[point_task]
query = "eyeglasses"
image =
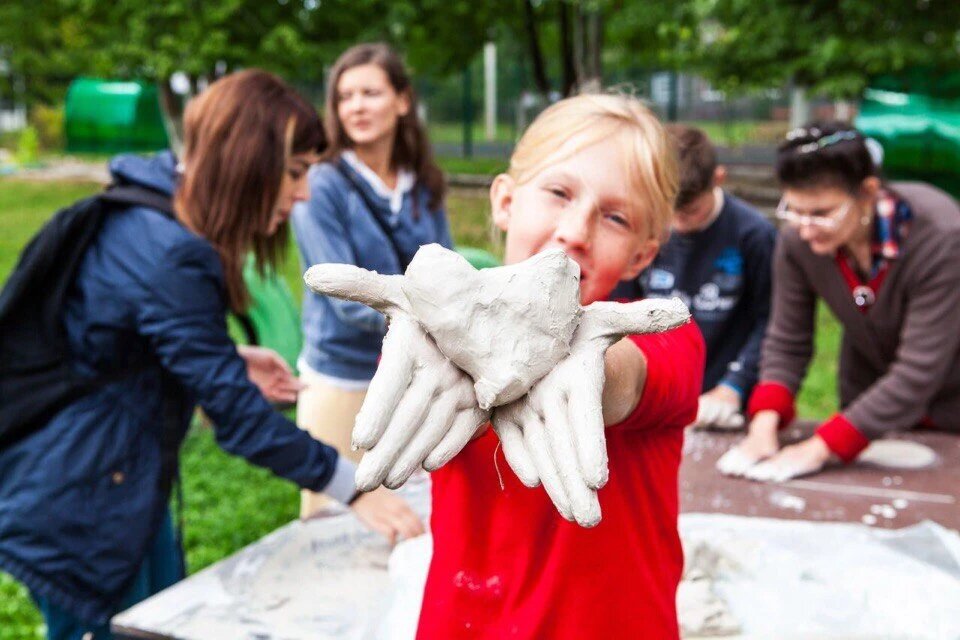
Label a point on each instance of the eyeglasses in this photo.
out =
(825, 221)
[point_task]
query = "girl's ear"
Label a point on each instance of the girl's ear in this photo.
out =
(403, 103)
(501, 200)
(643, 256)
(870, 186)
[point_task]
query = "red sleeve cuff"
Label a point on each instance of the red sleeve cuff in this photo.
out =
(842, 437)
(772, 396)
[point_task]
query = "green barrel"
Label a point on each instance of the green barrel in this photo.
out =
(916, 118)
(111, 116)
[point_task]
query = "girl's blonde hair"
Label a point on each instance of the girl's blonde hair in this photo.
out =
(588, 119)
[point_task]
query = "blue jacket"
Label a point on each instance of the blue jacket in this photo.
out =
(343, 339)
(80, 499)
(723, 274)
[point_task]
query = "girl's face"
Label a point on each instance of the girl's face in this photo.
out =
(828, 218)
(293, 188)
(582, 205)
(368, 106)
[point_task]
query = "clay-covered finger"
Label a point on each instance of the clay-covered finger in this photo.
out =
(534, 433)
(349, 282)
(428, 435)
(464, 427)
(652, 315)
(378, 461)
(559, 431)
(735, 462)
(515, 449)
(389, 383)
(589, 437)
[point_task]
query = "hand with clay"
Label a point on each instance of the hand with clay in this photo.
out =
(555, 435)
(719, 408)
(420, 408)
(761, 443)
(801, 459)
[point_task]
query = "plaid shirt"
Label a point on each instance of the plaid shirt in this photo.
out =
(891, 223)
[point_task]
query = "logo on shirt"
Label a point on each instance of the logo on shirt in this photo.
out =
(661, 279)
(730, 262)
(710, 300)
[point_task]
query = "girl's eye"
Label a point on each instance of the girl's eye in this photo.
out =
(558, 192)
(295, 174)
(618, 218)
(371, 92)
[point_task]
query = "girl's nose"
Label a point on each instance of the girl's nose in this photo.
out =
(575, 229)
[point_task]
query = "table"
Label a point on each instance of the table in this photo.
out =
(845, 493)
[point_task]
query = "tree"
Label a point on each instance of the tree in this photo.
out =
(831, 46)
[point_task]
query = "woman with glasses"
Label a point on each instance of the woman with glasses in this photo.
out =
(885, 258)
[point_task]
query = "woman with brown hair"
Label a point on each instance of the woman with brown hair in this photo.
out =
(376, 200)
(84, 521)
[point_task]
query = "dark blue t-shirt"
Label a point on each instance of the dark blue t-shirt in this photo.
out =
(723, 274)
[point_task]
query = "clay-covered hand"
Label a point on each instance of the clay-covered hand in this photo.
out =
(507, 326)
(801, 459)
(555, 435)
(719, 408)
(761, 443)
(420, 409)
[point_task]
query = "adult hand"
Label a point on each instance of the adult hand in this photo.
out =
(801, 459)
(420, 409)
(761, 443)
(720, 408)
(271, 373)
(388, 514)
(554, 435)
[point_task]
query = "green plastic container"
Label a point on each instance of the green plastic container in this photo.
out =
(273, 319)
(916, 118)
(479, 258)
(111, 116)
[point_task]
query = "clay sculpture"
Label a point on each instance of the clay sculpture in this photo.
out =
(461, 341)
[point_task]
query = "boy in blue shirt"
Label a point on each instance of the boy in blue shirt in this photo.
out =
(717, 261)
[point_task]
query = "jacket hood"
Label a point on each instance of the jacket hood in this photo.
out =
(157, 172)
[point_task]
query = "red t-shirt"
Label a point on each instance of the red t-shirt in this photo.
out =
(507, 565)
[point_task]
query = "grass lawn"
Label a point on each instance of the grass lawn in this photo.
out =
(453, 132)
(230, 503)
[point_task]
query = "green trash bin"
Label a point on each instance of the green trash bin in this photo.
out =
(111, 116)
(916, 119)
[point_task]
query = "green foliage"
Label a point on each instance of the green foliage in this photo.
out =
(49, 124)
(19, 618)
(832, 47)
(28, 147)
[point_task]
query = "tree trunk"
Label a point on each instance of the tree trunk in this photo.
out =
(566, 49)
(536, 55)
(171, 107)
(580, 44)
(595, 42)
(799, 106)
